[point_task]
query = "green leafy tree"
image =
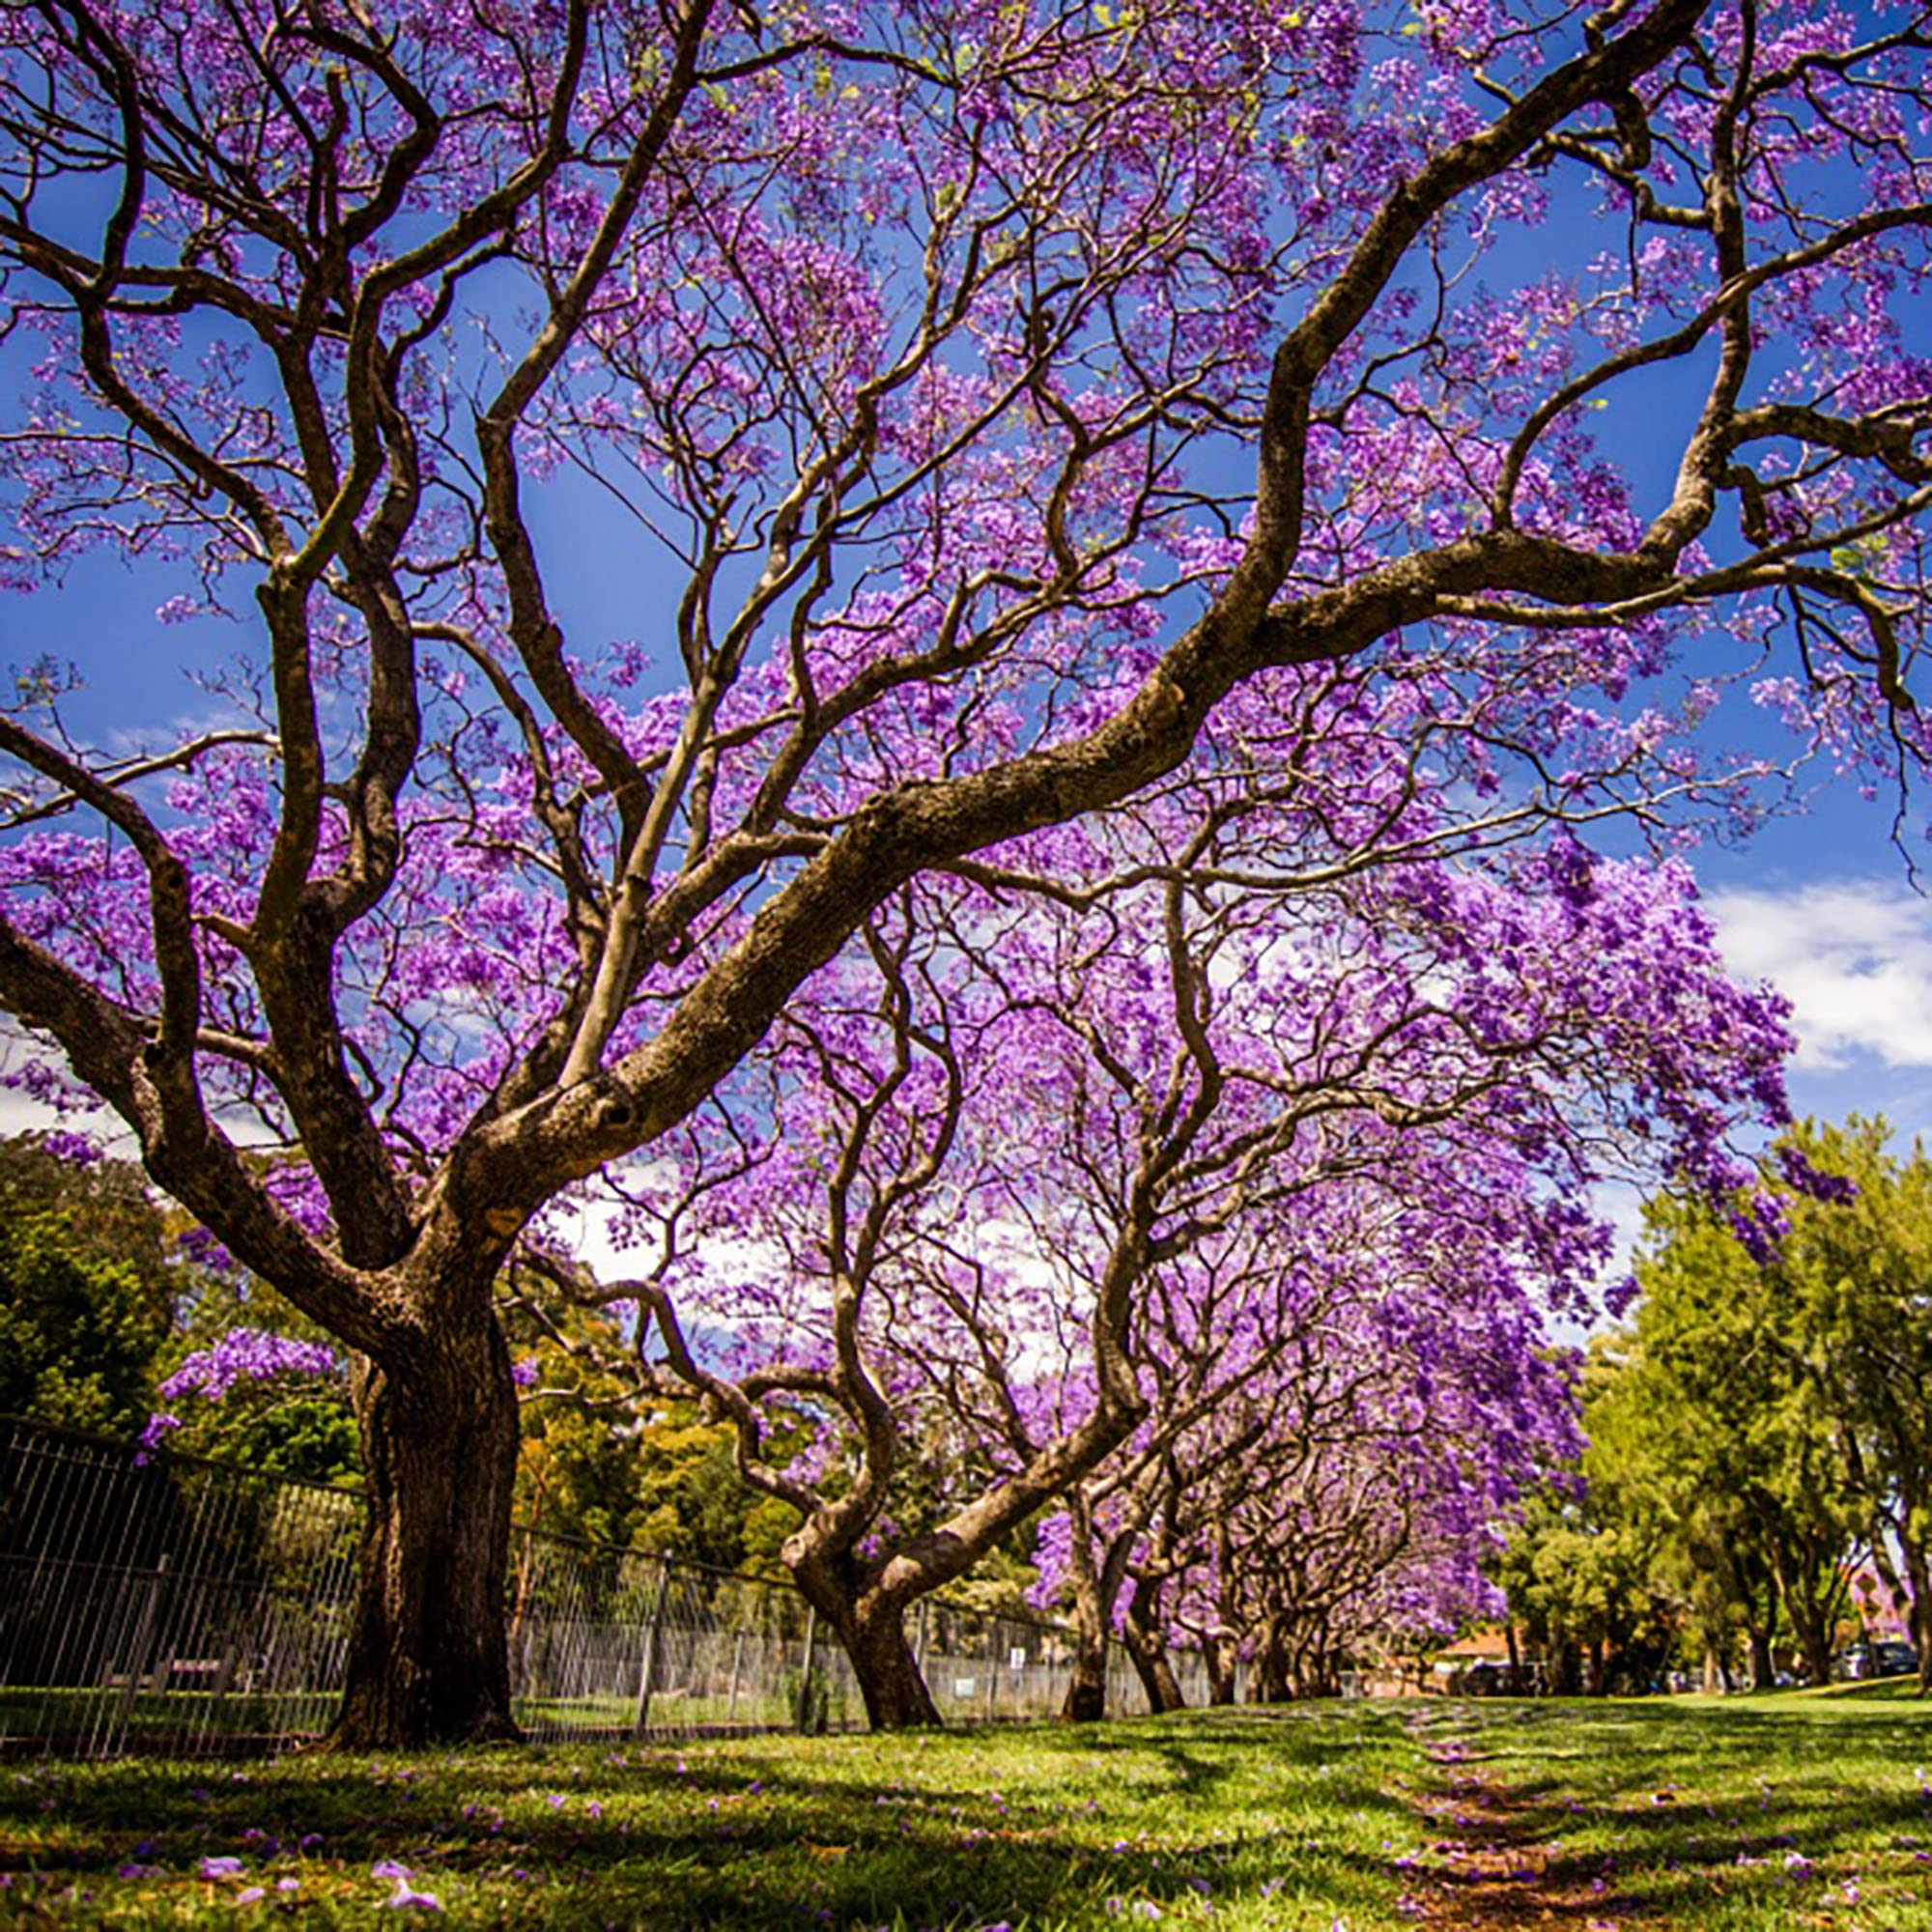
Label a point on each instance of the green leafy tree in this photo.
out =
(294, 1423)
(1727, 1433)
(78, 1333)
(602, 1463)
(1857, 1276)
(89, 1277)
(1583, 1588)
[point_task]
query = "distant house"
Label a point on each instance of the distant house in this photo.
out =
(1440, 1673)
(1882, 1613)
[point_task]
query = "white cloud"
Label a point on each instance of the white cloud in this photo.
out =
(1853, 955)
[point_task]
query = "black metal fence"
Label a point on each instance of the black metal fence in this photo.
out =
(153, 1602)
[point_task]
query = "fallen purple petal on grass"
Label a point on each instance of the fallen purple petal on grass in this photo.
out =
(403, 1899)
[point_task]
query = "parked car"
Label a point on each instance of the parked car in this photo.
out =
(1503, 1680)
(1891, 1656)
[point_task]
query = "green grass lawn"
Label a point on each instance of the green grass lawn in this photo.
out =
(1763, 1813)
(28, 1715)
(1793, 1810)
(1228, 1821)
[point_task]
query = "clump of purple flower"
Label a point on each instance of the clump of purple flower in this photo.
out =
(242, 1354)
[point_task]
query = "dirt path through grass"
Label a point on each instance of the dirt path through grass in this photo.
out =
(1492, 1865)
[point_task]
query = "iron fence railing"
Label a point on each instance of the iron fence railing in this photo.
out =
(151, 1601)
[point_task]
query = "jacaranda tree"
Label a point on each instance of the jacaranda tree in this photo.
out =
(1346, 1486)
(993, 392)
(1044, 1169)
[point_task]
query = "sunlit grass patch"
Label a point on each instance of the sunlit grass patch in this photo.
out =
(1240, 1819)
(1765, 1812)
(1770, 1814)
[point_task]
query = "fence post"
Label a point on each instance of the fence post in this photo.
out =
(919, 1643)
(649, 1667)
(801, 1716)
(993, 1663)
(144, 1638)
(737, 1661)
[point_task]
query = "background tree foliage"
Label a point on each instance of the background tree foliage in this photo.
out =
(87, 1287)
(1761, 1430)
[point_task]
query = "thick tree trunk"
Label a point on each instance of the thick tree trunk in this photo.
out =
(1086, 1699)
(1316, 1674)
(1222, 1658)
(870, 1627)
(895, 1693)
(1817, 1643)
(1156, 1669)
(1271, 1685)
(1566, 1667)
(1763, 1639)
(1147, 1652)
(1918, 1583)
(1812, 1628)
(429, 1658)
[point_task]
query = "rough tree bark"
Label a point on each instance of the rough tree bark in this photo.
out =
(868, 1621)
(1148, 1651)
(1271, 1679)
(1096, 1589)
(1222, 1658)
(1086, 1699)
(429, 1652)
(1918, 1581)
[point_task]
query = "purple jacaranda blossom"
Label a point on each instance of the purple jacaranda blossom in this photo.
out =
(407, 1899)
(1019, 562)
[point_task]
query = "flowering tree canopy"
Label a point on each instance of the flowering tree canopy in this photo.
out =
(992, 394)
(1125, 1122)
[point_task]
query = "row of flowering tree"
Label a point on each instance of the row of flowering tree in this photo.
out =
(1019, 420)
(1170, 1117)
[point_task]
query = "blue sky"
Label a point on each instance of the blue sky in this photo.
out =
(1820, 903)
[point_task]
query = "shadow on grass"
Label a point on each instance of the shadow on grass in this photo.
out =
(1057, 1826)
(1734, 1813)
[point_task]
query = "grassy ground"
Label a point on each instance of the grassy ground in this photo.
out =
(1243, 1821)
(28, 1713)
(1762, 1813)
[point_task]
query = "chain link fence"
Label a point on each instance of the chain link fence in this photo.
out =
(151, 1601)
